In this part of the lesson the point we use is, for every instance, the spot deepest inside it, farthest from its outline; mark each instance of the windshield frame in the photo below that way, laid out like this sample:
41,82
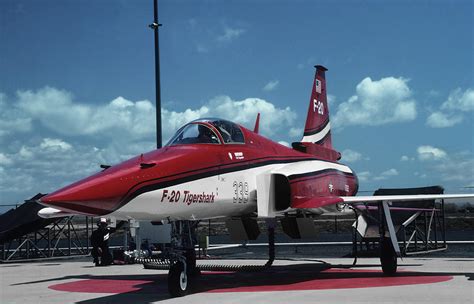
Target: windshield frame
214,123
203,123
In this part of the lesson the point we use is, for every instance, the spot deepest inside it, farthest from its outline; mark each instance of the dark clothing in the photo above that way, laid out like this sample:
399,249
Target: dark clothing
100,246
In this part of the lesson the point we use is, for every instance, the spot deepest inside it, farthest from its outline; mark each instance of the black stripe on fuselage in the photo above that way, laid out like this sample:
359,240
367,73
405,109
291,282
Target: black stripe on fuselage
212,172
237,166
295,178
318,173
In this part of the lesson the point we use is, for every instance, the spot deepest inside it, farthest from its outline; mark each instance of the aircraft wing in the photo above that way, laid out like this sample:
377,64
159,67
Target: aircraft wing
401,198
321,201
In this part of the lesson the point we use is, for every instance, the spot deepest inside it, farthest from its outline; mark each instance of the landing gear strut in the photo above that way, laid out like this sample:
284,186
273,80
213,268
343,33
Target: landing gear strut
388,255
182,257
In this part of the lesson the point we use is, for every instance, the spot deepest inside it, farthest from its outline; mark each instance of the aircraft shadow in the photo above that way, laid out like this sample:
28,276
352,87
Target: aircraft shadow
154,287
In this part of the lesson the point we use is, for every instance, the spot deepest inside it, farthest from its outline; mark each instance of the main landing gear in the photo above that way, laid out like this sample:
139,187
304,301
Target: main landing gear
389,250
388,257
388,254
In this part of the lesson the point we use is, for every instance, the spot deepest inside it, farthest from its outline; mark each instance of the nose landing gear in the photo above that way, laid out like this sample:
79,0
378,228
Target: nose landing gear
178,280
182,257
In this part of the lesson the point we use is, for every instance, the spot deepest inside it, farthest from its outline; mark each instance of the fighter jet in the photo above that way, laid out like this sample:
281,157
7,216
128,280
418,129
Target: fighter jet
214,168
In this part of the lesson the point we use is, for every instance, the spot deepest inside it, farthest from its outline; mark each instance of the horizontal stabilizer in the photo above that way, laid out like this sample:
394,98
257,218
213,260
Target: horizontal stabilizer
400,198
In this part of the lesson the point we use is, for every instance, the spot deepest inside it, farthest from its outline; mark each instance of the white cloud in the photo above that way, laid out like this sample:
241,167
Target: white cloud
46,167
442,120
25,153
296,132
5,160
453,167
458,100
459,168
351,156
273,120
388,100
270,86
420,175
51,164
452,110
387,174
331,100
230,34
56,110
11,119
390,172
364,176
428,153
172,120
54,144
406,158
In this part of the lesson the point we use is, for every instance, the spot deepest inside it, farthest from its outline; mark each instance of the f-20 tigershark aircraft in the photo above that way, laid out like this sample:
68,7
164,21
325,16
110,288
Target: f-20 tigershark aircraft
214,168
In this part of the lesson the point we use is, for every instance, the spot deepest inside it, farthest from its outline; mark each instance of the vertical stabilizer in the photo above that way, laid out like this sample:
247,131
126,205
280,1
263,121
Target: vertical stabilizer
318,128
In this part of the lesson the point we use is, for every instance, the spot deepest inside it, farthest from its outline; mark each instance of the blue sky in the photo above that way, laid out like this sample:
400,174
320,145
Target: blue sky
77,83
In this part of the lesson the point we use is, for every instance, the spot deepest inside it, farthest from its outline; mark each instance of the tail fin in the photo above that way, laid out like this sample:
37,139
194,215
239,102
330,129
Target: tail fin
318,128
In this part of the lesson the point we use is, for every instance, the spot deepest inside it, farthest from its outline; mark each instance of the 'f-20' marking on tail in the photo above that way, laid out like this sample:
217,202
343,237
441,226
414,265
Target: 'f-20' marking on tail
319,106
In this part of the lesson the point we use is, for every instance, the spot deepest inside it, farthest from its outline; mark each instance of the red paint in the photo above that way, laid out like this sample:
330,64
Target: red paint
216,282
101,286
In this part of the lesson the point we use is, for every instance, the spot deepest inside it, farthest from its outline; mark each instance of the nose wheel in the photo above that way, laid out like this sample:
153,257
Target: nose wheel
182,257
178,280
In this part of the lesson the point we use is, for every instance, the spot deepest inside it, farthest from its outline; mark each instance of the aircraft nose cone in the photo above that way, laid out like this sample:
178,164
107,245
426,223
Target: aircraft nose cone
92,196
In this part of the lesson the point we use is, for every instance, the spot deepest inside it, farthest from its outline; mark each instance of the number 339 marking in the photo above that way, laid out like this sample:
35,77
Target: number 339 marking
241,192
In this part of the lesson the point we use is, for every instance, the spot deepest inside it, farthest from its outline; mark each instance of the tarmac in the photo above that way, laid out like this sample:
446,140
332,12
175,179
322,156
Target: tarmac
334,280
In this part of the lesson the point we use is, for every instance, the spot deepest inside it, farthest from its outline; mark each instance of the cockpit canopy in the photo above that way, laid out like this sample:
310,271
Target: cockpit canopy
203,131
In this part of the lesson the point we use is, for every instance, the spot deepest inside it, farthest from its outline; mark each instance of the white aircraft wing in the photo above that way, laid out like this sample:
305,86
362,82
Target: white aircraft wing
401,198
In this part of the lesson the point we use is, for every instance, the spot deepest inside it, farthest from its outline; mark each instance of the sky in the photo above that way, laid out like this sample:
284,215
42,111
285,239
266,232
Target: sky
77,83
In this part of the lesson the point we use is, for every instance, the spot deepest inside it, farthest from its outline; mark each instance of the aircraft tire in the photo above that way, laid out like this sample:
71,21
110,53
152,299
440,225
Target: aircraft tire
388,258
177,280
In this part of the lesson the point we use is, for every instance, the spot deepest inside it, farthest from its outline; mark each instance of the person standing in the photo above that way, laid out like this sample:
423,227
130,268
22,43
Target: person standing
100,244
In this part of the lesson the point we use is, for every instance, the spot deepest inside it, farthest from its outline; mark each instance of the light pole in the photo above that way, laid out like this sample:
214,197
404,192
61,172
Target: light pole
155,26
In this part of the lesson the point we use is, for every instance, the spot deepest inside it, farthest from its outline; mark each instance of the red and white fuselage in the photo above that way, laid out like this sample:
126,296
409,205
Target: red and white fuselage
201,181
215,168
